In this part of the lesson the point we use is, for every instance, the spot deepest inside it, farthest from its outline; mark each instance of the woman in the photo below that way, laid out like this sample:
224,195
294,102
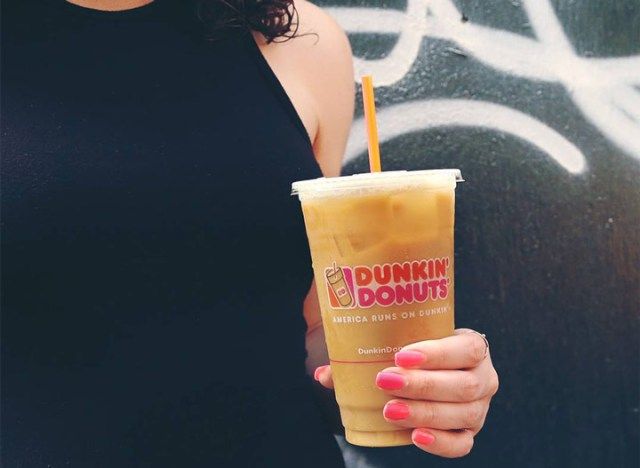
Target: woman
154,264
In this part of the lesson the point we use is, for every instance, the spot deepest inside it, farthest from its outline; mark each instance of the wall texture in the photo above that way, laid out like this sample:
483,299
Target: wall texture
538,103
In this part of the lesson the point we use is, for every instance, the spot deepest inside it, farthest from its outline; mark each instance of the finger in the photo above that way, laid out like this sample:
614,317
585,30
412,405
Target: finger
462,351
437,415
456,386
324,376
448,444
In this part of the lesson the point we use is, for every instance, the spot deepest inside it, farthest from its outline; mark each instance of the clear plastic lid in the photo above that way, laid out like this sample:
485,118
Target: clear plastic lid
390,180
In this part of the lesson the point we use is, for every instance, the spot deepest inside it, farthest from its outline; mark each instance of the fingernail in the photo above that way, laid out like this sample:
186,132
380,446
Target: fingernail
396,410
318,371
390,381
409,358
423,437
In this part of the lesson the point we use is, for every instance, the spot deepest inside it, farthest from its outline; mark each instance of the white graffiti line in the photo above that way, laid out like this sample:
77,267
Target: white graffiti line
624,69
611,119
499,49
415,116
369,20
547,27
503,50
612,107
596,85
409,26
628,102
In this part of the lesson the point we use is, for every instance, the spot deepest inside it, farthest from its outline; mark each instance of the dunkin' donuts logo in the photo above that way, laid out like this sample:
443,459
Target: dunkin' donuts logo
387,284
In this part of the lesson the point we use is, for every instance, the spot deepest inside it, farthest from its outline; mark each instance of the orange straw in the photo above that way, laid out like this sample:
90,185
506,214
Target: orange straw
370,118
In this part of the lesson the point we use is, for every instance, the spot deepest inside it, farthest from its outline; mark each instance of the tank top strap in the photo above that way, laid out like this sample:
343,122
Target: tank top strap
267,73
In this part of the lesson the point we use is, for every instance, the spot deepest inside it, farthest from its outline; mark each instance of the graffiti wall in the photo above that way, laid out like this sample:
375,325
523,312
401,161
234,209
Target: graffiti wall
538,103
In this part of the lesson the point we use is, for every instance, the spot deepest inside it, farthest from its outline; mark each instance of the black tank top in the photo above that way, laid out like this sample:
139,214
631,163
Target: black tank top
154,262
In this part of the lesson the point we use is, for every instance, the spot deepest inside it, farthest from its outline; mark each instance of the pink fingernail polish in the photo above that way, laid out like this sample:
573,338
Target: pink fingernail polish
396,410
423,437
318,371
409,358
390,381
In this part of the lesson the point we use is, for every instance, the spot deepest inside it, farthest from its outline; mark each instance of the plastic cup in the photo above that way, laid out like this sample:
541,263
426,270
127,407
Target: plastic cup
382,251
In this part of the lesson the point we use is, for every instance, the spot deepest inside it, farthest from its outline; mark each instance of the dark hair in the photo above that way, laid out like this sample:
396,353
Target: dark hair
274,19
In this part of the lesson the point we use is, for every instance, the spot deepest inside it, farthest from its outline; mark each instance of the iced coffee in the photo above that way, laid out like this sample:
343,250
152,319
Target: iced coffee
382,251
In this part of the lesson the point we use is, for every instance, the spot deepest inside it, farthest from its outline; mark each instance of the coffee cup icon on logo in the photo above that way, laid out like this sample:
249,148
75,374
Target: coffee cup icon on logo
335,279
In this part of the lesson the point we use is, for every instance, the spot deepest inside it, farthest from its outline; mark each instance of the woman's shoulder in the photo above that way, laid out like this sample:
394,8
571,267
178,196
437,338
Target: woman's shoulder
318,46
313,21
322,46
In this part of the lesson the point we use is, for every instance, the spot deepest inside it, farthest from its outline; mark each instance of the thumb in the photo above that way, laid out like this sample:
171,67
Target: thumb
323,375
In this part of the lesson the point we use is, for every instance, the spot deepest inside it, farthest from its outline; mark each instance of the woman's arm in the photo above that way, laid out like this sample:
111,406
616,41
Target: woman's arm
328,72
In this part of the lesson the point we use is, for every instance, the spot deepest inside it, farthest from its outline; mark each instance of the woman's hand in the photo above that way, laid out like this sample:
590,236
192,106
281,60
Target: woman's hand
440,388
